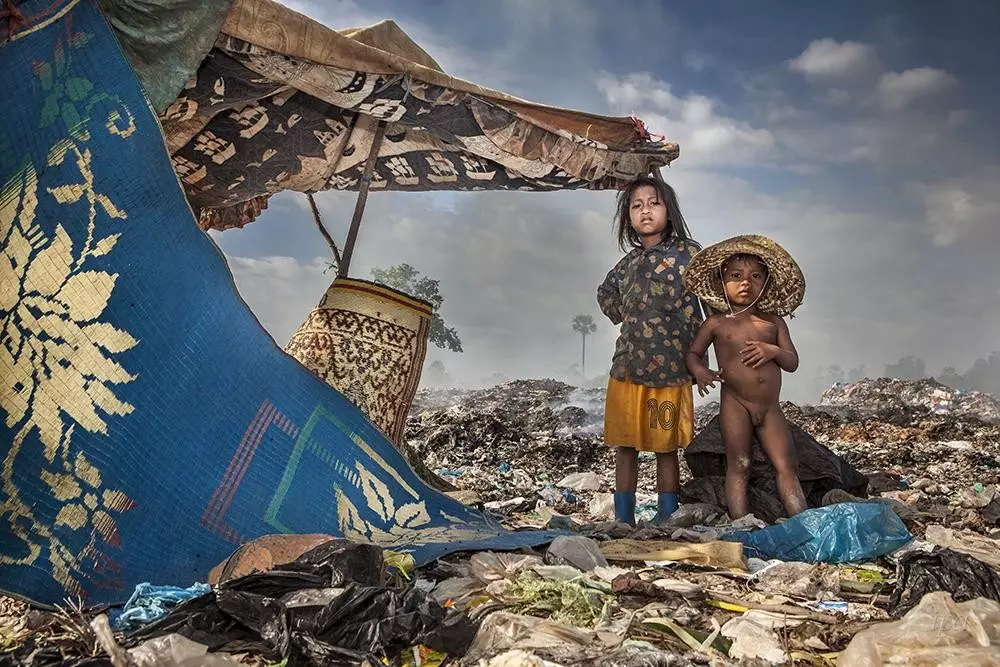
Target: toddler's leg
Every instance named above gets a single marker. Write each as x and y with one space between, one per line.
626 477
776 439
737 434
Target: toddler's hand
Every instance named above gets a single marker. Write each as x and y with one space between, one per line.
706 379
756 353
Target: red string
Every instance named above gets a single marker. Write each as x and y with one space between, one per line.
645 134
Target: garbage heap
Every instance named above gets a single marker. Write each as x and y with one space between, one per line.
527 448
897 561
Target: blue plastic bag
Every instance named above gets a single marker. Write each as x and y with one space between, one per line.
842 533
150 603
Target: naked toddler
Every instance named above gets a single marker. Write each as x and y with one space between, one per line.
753 282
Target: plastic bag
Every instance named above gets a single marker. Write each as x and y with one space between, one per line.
938 631
694 514
377 621
815 581
819 471
149 603
580 552
503 631
178 651
283 614
963 576
966 542
753 641
843 533
487 566
581 481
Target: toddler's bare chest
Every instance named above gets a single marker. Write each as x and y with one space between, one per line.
738 332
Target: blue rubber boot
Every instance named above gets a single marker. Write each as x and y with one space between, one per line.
666 504
625 507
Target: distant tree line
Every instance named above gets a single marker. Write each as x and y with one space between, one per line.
983 375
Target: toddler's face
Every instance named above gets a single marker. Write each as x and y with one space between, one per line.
647 212
744 280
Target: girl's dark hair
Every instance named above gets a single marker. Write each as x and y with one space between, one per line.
628 238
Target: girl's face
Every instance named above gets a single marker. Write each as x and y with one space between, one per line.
744 281
648 214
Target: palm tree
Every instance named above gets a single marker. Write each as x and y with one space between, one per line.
584 325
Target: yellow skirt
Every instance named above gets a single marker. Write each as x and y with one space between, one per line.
650 419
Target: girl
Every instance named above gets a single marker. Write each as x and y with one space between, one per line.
650 400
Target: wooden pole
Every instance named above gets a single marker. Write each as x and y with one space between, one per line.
322 230
359 206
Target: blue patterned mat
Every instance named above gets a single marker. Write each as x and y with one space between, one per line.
148 423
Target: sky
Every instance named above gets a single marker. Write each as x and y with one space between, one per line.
859 135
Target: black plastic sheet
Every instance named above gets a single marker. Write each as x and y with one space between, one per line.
921 572
288 613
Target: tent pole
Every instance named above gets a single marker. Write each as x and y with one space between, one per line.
322 230
359 206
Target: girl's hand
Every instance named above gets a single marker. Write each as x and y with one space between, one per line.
755 353
706 379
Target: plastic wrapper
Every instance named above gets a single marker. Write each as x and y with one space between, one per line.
978 546
938 631
558 642
149 603
177 651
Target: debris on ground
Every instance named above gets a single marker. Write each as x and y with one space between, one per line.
961 575
935 632
896 561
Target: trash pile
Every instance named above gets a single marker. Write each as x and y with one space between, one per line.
845 580
486 441
526 449
896 561
888 397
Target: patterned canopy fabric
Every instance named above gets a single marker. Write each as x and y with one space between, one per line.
284 103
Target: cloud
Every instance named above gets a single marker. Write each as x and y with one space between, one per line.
837 97
706 137
697 60
957 117
867 270
450 54
828 58
896 90
280 290
961 209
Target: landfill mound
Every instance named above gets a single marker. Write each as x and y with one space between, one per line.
892 398
929 449
509 439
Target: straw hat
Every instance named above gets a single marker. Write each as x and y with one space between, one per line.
786 286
